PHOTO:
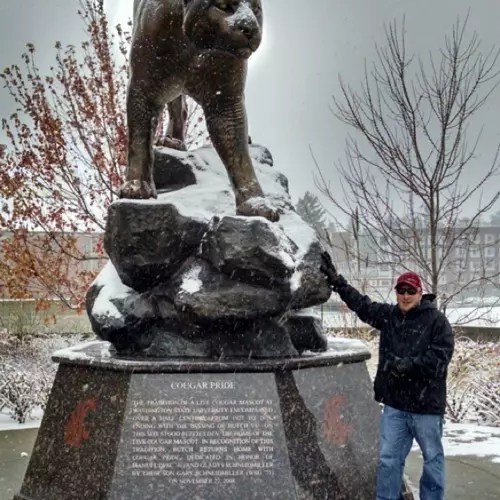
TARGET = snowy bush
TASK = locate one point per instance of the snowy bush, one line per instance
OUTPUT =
(21, 390)
(459, 383)
(459, 401)
(27, 372)
(487, 401)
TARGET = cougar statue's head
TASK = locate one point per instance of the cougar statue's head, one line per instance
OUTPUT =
(233, 26)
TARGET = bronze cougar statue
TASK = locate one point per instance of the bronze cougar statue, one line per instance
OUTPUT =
(197, 48)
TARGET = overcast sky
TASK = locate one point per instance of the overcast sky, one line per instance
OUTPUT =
(307, 44)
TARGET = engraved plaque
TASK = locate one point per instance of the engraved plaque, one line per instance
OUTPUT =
(204, 437)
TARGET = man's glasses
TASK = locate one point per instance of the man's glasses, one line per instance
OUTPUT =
(409, 291)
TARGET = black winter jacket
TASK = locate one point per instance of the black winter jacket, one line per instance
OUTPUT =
(423, 335)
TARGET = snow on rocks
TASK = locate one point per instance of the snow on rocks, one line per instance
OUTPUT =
(186, 259)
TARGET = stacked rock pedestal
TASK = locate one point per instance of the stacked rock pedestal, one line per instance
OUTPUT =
(211, 381)
(187, 277)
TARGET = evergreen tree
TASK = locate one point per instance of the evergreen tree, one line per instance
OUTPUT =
(495, 219)
(310, 209)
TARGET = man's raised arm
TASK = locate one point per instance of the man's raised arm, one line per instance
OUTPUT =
(373, 313)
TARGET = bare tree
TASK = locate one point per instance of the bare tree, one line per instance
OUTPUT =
(404, 168)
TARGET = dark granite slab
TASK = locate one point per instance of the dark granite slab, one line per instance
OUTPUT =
(76, 446)
(331, 424)
(209, 436)
(305, 428)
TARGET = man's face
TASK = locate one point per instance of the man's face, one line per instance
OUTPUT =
(408, 297)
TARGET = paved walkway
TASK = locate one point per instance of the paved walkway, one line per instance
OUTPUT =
(15, 451)
(469, 477)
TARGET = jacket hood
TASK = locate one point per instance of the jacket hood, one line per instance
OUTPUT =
(429, 298)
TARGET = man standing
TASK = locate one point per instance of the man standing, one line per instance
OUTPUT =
(416, 346)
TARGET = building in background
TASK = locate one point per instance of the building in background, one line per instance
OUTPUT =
(470, 270)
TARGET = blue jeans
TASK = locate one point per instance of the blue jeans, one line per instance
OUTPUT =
(398, 429)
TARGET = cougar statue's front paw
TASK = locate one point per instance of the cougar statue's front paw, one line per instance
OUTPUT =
(137, 190)
(258, 207)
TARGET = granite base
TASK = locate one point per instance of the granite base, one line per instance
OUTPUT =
(302, 428)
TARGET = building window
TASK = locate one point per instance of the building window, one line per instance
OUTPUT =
(490, 252)
(87, 245)
(475, 265)
(475, 249)
(489, 238)
(491, 265)
(93, 264)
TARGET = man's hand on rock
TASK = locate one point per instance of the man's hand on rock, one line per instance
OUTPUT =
(330, 271)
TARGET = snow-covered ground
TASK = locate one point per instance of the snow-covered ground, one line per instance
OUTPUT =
(467, 440)
(470, 439)
(7, 423)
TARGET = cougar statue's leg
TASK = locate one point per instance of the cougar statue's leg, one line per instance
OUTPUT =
(228, 131)
(177, 118)
(197, 48)
(142, 115)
